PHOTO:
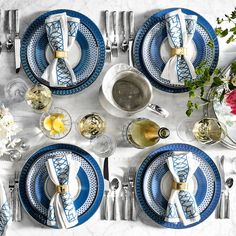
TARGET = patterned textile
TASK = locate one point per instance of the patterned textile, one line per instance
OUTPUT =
(62, 170)
(180, 30)
(61, 32)
(182, 205)
(5, 212)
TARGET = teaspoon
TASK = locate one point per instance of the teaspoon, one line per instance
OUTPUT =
(229, 183)
(114, 186)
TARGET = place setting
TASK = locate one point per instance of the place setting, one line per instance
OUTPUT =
(63, 183)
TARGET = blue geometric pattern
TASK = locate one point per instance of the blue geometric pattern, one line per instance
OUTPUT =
(57, 43)
(181, 167)
(171, 212)
(175, 35)
(61, 167)
(5, 216)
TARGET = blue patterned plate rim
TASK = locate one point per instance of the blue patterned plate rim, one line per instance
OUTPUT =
(22, 189)
(94, 30)
(137, 47)
(148, 160)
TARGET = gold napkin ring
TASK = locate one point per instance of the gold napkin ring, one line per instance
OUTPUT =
(62, 188)
(179, 185)
(60, 54)
(178, 51)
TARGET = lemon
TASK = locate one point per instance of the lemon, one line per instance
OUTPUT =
(58, 125)
(47, 123)
(53, 132)
(58, 115)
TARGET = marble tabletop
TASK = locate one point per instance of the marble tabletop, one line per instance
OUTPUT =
(87, 101)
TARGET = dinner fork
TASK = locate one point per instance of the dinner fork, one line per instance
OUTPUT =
(132, 173)
(17, 208)
(126, 205)
(108, 43)
(124, 45)
(11, 187)
(114, 45)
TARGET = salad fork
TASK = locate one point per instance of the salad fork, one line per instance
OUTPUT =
(114, 45)
(124, 45)
(108, 43)
(132, 172)
(126, 205)
(11, 188)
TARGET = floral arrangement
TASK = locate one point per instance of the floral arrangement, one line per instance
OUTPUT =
(8, 129)
(231, 100)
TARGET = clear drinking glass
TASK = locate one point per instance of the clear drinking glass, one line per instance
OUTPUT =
(39, 98)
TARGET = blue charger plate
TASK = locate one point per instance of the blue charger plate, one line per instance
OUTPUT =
(207, 195)
(92, 59)
(153, 64)
(91, 179)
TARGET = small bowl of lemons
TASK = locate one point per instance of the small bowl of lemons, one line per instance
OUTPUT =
(56, 123)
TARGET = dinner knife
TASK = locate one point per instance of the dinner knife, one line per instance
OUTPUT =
(131, 36)
(17, 41)
(222, 199)
(106, 187)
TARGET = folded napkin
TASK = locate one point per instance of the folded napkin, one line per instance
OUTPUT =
(180, 30)
(62, 170)
(5, 213)
(61, 32)
(182, 205)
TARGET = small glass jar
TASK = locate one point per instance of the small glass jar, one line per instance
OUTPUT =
(142, 133)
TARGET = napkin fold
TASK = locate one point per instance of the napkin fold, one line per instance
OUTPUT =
(62, 170)
(61, 32)
(180, 30)
(182, 205)
(5, 212)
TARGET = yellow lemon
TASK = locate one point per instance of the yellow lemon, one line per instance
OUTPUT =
(53, 132)
(47, 123)
(58, 125)
(58, 115)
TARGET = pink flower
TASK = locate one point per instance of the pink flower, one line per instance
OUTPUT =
(231, 100)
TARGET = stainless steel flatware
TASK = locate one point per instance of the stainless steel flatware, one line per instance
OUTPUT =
(9, 43)
(17, 208)
(106, 187)
(229, 182)
(114, 45)
(107, 29)
(11, 188)
(17, 41)
(0, 30)
(132, 173)
(124, 45)
(131, 36)
(126, 202)
(114, 186)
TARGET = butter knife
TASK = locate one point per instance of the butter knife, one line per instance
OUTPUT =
(131, 36)
(106, 187)
(17, 41)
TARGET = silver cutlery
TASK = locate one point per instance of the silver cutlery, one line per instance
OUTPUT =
(131, 37)
(132, 173)
(222, 198)
(11, 188)
(229, 182)
(9, 43)
(106, 188)
(0, 30)
(114, 186)
(126, 205)
(17, 209)
(108, 43)
(124, 45)
(114, 45)
(17, 41)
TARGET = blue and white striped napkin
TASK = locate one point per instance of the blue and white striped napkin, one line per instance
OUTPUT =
(61, 32)
(180, 30)
(182, 206)
(62, 170)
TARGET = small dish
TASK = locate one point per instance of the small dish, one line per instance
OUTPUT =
(56, 123)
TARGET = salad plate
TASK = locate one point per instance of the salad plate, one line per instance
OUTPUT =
(86, 57)
(36, 189)
(153, 180)
(151, 50)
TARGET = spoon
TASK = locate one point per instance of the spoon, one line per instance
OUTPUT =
(229, 183)
(114, 186)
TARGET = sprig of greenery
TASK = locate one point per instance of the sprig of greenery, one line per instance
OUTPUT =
(231, 30)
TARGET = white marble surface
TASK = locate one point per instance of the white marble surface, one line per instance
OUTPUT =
(87, 101)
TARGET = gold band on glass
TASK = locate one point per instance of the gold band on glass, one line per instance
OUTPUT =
(60, 54)
(62, 188)
(179, 185)
(178, 51)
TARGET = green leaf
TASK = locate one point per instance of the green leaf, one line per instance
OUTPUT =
(197, 106)
(222, 95)
(189, 104)
(219, 20)
(230, 39)
(189, 112)
(205, 100)
(191, 94)
(210, 44)
(224, 33)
